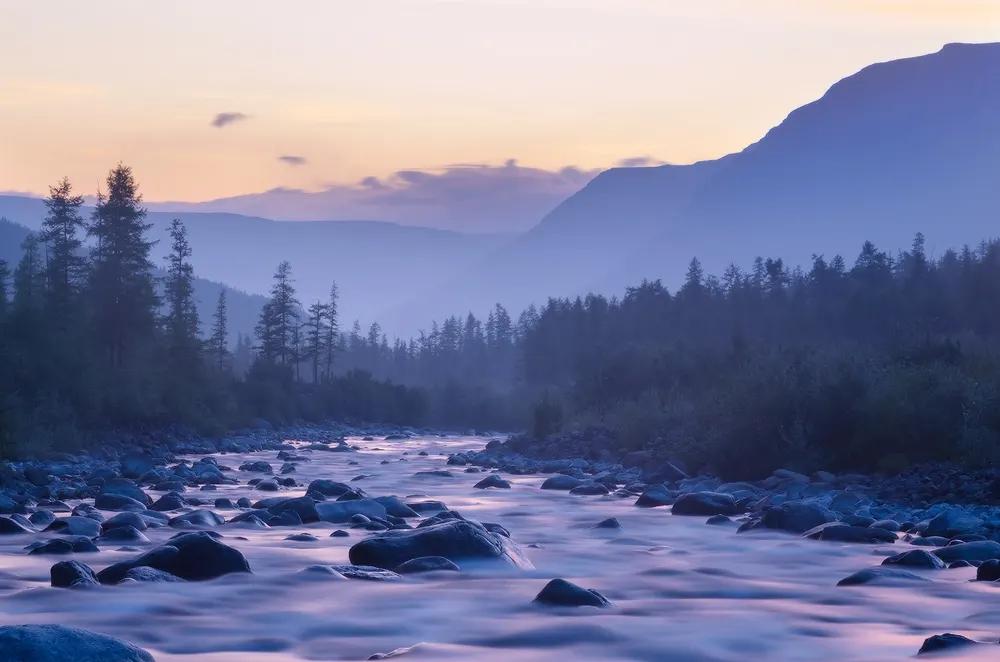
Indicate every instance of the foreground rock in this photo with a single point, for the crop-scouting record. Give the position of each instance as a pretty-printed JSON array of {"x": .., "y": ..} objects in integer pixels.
[
  {"x": 945, "y": 642},
  {"x": 455, "y": 539},
  {"x": 58, "y": 643},
  {"x": 192, "y": 556},
  {"x": 705, "y": 503},
  {"x": 916, "y": 558},
  {"x": 562, "y": 593},
  {"x": 72, "y": 574}
]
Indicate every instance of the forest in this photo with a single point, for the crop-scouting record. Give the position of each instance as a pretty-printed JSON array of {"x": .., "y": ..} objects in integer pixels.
[{"x": 877, "y": 364}]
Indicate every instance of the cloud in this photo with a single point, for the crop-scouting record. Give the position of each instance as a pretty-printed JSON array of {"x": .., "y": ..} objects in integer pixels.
[
  {"x": 292, "y": 159},
  {"x": 225, "y": 119},
  {"x": 640, "y": 162},
  {"x": 471, "y": 197}
]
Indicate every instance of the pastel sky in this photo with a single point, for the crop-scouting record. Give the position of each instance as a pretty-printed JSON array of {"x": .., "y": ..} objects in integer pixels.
[{"x": 215, "y": 99}]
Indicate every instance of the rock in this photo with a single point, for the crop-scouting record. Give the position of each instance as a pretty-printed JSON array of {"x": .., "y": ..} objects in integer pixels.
[
  {"x": 655, "y": 495},
  {"x": 170, "y": 501},
  {"x": 952, "y": 523},
  {"x": 42, "y": 518},
  {"x": 363, "y": 572},
  {"x": 560, "y": 482},
  {"x": 126, "y": 487},
  {"x": 435, "y": 473},
  {"x": 302, "y": 537},
  {"x": 70, "y": 545},
  {"x": 118, "y": 502},
  {"x": 493, "y": 480},
  {"x": 268, "y": 485},
  {"x": 395, "y": 507},
  {"x": 457, "y": 540},
  {"x": 562, "y": 593},
  {"x": 609, "y": 523},
  {"x": 705, "y": 503},
  {"x": 796, "y": 516},
  {"x": 193, "y": 556},
  {"x": 58, "y": 643},
  {"x": 124, "y": 534},
  {"x": 76, "y": 526},
  {"x": 340, "y": 533},
  {"x": 225, "y": 503},
  {"x": 304, "y": 507},
  {"x": 427, "y": 506},
  {"x": 945, "y": 642},
  {"x": 257, "y": 467},
  {"x": 427, "y": 564},
  {"x": 341, "y": 511},
  {"x": 9, "y": 526},
  {"x": 134, "y": 520},
  {"x": 322, "y": 489},
  {"x": 880, "y": 575},
  {"x": 886, "y": 524},
  {"x": 983, "y": 550},
  {"x": 135, "y": 465},
  {"x": 144, "y": 573},
  {"x": 836, "y": 532},
  {"x": 916, "y": 558},
  {"x": 72, "y": 574},
  {"x": 197, "y": 519},
  {"x": 989, "y": 571},
  {"x": 665, "y": 473},
  {"x": 590, "y": 489},
  {"x": 721, "y": 520}
]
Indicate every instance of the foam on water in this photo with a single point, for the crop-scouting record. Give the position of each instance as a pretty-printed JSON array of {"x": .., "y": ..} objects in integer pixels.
[{"x": 681, "y": 590}]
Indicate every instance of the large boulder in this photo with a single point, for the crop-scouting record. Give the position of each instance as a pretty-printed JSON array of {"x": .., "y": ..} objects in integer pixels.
[
  {"x": 493, "y": 480},
  {"x": 837, "y": 532},
  {"x": 796, "y": 516},
  {"x": 342, "y": 511},
  {"x": 916, "y": 558},
  {"x": 945, "y": 642},
  {"x": 68, "y": 545},
  {"x": 135, "y": 465},
  {"x": 655, "y": 495},
  {"x": 396, "y": 507},
  {"x": 705, "y": 503},
  {"x": 72, "y": 574},
  {"x": 193, "y": 556},
  {"x": 59, "y": 643},
  {"x": 125, "y": 487},
  {"x": 561, "y": 593},
  {"x": 981, "y": 550},
  {"x": 560, "y": 482},
  {"x": 197, "y": 519},
  {"x": 989, "y": 571},
  {"x": 76, "y": 526},
  {"x": 953, "y": 522},
  {"x": 456, "y": 540},
  {"x": 304, "y": 507},
  {"x": 324, "y": 489}
]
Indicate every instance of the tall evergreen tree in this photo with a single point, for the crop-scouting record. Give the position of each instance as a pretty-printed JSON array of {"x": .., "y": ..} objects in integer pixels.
[
  {"x": 332, "y": 331},
  {"x": 279, "y": 319},
  {"x": 181, "y": 320},
  {"x": 122, "y": 274},
  {"x": 217, "y": 342},
  {"x": 316, "y": 337},
  {"x": 65, "y": 267},
  {"x": 4, "y": 296},
  {"x": 29, "y": 277}
]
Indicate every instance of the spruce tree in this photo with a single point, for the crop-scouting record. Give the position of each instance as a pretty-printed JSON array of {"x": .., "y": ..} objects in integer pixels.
[
  {"x": 316, "y": 329},
  {"x": 122, "y": 274},
  {"x": 4, "y": 277},
  {"x": 181, "y": 321},
  {"x": 279, "y": 319},
  {"x": 332, "y": 331},
  {"x": 64, "y": 270},
  {"x": 217, "y": 341},
  {"x": 29, "y": 277}
]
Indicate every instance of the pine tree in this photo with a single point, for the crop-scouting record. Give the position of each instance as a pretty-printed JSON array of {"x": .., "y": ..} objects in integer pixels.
[
  {"x": 332, "y": 331},
  {"x": 316, "y": 336},
  {"x": 279, "y": 319},
  {"x": 29, "y": 277},
  {"x": 182, "y": 316},
  {"x": 4, "y": 276},
  {"x": 121, "y": 277},
  {"x": 217, "y": 342},
  {"x": 65, "y": 264}
]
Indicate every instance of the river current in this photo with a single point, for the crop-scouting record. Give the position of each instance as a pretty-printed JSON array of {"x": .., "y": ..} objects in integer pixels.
[{"x": 681, "y": 590}]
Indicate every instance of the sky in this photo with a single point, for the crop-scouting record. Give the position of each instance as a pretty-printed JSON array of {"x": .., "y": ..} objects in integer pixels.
[{"x": 452, "y": 107}]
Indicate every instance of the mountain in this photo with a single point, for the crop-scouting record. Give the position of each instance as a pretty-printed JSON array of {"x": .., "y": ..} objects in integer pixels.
[
  {"x": 376, "y": 265},
  {"x": 243, "y": 309},
  {"x": 899, "y": 147}
]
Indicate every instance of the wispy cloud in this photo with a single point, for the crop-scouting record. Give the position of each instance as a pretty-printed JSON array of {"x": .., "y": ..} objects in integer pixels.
[
  {"x": 225, "y": 119},
  {"x": 639, "y": 162},
  {"x": 292, "y": 159}
]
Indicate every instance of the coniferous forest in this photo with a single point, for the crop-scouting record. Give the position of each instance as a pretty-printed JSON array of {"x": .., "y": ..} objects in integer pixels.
[{"x": 873, "y": 362}]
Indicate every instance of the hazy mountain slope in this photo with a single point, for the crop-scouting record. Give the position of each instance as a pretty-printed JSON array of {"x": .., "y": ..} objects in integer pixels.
[
  {"x": 902, "y": 146},
  {"x": 376, "y": 265},
  {"x": 243, "y": 309}
]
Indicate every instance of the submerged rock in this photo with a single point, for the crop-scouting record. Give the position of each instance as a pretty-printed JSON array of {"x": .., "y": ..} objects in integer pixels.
[
  {"x": 982, "y": 550},
  {"x": 427, "y": 564},
  {"x": 560, "y": 482},
  {"x": 144, "y": 573},
  {"x": 657, "y": 495},
  {"x": 72, "y": 574},
  {"x": 989, "y": 571},
  {"x": 880, "y": 575},
  {"x": 493, "y": 480},
  {"x": 194, "y": 556},
  {"x": 916, "y": 558},
  {"x": 58, "y": 643},
  {"x": 796, "y": 516},
  {"x": 68, "y": 545},
  {"x": 609, "y": 523},
  {"x": 945, "y": 642},
  {"x": 562, "y": 593},
  {"x": 836, "y": 532}
]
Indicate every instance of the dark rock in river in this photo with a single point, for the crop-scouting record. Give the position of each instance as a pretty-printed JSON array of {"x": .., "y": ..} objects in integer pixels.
[
  {"x": 562, "y": 593},
  {"x": 124, "y": 534},
  {"x": 42, "y": 518},
  {"x": 796, "y": 516},
  {"x": 68, "y": 545},
  {"x": 127, "y": 488},
  {"x": 340, "y": 533},
  {"x": 9, "y": 526},
  {"x": 304, "y": 507},
  {"x": 456, "y": 539},
  {"x": 58, "y": 643},
  {"x": 77, "y": 526},
  {"x": 134, "y": 520},
  {"x": 302, "y": 537},
  {"x": 118, "y": 502},
  {"x": 427, "y": 564},
  {"x": 609, "y": 523},
  {"x": 257, "y": 467},
  {"x": 836, "y": 532},
  {"x": 705, "y": 503},
  {"x": 655, "y": 495},
  {"x": 268, "y": 485},
  {"x": 880, "y": 575},
  {"x": 395, "y": 507},
  {"x": 983, "y": 550},
  {"x": 194, "y": 556},
  {"x": 170, "y": 501},
  {"x": 197, "y": 519},
  {"x": 493, "y": 480},
  {"x": 72, "y": 574},
  {"x": 341, "y": 511},
  {"x": 989, "y": 571},
  {"x": 560, "y": 482},
  {"x": 321, "y": 489},
  {"x": 364, "y": 572},
  {"x": 144, "y": 573},
  {"x": 945, "y": 642},
  {"x": 916, "y": 558},
  {"x": 590, "y": 489}
]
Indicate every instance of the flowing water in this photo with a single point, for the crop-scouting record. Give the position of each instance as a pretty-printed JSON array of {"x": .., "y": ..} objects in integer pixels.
[{"x": 681, "y": 590}]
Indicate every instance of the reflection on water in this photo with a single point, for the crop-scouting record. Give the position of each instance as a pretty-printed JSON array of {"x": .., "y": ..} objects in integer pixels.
[{"x": 681, "y": 590}]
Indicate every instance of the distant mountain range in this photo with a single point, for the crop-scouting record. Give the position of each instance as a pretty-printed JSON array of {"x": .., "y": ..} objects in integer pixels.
[{"x": 899, "y": 147}]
